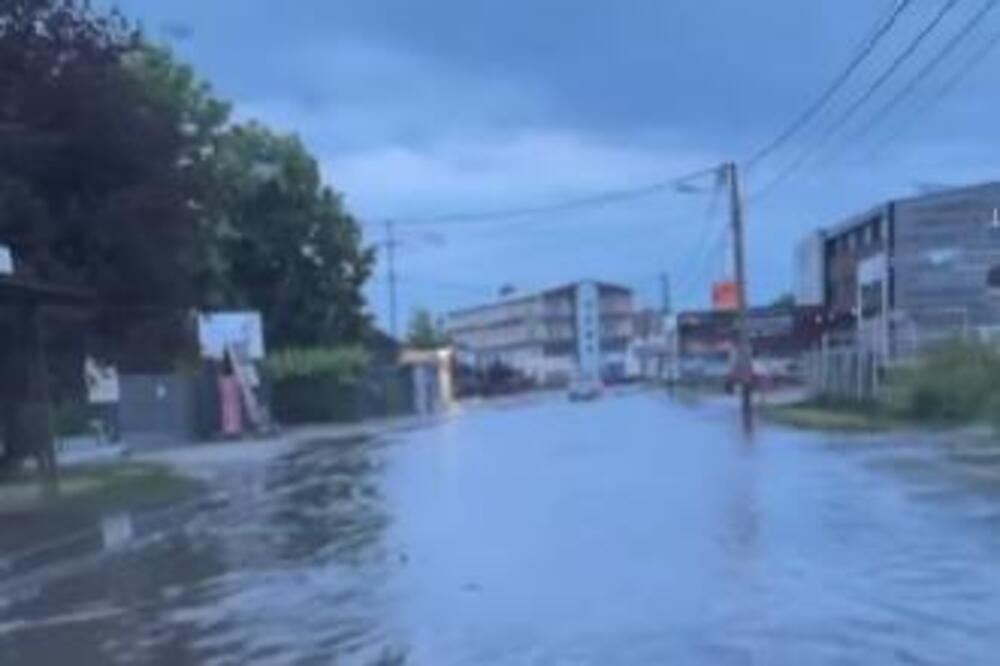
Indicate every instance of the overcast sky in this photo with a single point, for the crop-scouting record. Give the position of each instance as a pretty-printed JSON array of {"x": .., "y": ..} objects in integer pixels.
[{"x": 446, "y": 106}]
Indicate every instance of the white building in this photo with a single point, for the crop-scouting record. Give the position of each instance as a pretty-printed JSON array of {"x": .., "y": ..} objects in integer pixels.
[
  {"x": 652, "y": 354},
  {"x": 549, "y": 336}
]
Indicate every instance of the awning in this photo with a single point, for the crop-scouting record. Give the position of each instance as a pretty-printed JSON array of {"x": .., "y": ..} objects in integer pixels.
[{"x": 20, "y": 291}]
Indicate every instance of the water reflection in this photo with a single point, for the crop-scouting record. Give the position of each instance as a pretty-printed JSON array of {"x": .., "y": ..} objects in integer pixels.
[
  {"x": 289, "y": 567},
  {"x": 627, "y": 531}
]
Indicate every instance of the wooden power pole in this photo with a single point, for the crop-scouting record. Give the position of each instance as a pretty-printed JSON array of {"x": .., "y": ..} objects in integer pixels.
[{"x": 744, "y": 354}]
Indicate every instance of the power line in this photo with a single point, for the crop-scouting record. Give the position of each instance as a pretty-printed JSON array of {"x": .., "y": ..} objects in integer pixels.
[
  {"x": 882, "y": 28},
  {"x": 901, "y": 58},
  {"x": 974, "y": 21},
  {"x": 706, "y": 249},
  {"x": 968, "y": 66},
  {"x": 702, "y": 270},
  {"x": 592, "y": 201}
]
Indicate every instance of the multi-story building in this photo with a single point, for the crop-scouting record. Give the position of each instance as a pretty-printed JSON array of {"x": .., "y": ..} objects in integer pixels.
[
  {"x": 551, "y": 335},
  {"x": 910, "y": 271},
  {"x": 651, "y": 354},
  {"x": 779, "y": 337}
]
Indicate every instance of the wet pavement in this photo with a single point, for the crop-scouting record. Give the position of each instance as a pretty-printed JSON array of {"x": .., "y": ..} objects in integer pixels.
[{"x": 632, "y": 530}]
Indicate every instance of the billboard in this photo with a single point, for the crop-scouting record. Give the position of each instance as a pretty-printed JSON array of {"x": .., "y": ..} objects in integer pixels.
[
  {"x": 725, "y": 295},
  {"x": 218, "y": 330}
]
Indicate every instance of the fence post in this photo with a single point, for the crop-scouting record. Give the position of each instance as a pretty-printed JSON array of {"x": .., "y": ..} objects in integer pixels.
[
  {"x": 859, "y": 377},
  {"x": 824, "y": 348}
]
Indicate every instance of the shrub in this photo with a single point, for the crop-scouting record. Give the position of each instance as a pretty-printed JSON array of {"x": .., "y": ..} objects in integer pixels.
[
  {"x": 316, "y": 385},
  {"x": 341, "y": 363},
  {"x": 953, "y": 382}
]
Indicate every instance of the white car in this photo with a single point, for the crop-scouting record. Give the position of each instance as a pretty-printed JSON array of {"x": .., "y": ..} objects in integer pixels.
[{"x": 585, "y": 388}]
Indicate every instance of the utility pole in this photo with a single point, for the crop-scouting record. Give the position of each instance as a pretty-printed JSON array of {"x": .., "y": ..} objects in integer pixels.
[
  {"x": 666, "y": 301},
  {"x": 390, "y": 252},
  {"x": 744, "y": 355}
]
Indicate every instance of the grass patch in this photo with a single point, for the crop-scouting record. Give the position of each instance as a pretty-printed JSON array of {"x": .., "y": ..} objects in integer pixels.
[
  {"x": 840, "y": 417},
  {"x": 95, "y": 488}
]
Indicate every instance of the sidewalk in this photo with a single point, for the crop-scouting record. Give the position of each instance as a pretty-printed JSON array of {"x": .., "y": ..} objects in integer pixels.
[
  {"x": 46, "y": 537},
  {"x": 205, "y": 460}
]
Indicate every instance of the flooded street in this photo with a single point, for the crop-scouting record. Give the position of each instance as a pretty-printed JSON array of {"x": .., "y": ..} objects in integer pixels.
[{"x": 632, "y": 530}]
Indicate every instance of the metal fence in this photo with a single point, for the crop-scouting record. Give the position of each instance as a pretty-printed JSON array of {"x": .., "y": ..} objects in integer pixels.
[
  {"x": 163, "y": 408},
  {"x": 844, "y": 373}
]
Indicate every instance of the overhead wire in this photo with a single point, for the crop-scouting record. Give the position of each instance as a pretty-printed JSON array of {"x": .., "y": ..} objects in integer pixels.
[
  {"x": 929, "y": 67},
  {"x": 701, "y": 270},
  {"x": 600, "y": 199},
  {"x": 706, "y": 248},
  {"x": 882, "y": 28},
  {"x": 873, "y": 88},
  {"x": 968, "y": 66}
]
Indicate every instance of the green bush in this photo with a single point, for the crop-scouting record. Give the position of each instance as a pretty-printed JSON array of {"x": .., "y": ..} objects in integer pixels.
[
  {"x": 958, "y": 381},
  {"x": 315, "y": 399},
  {"x": 344, "y": 364},
  {"x": 316, "y": 385}
]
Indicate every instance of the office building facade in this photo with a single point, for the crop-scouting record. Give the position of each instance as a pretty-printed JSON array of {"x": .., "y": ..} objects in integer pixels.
[
  {"x": 550, "y": 336},
  {"x": 915, "y": 271}
]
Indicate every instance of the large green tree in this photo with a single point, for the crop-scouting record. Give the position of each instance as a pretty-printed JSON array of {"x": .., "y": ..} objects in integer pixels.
[
  {"x": 94, "y": 187},
  {"x": 121, "y": 172},
  {"x": 282, "y": 242},
  {"x": 270, "y": 235}
]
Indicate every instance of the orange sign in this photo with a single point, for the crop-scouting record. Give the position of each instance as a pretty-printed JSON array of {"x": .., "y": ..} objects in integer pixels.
[{"x": 725, "y": 295}]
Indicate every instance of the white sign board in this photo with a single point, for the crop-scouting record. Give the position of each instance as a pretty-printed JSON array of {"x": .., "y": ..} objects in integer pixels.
[
  {"x": 218, "y": 330},
  {"x": 102, "y": 382},
  {"x": 6, "y": 261}
]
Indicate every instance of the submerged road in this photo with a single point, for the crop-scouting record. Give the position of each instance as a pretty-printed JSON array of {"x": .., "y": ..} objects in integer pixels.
[{"x": 631, "y": 530}]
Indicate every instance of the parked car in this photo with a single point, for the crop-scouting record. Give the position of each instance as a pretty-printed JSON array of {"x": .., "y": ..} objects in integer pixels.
[{"x": 585, "y": 388}]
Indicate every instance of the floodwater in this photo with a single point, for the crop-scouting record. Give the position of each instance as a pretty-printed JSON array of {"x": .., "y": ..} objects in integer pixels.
[{"x": 631, "y": 530}]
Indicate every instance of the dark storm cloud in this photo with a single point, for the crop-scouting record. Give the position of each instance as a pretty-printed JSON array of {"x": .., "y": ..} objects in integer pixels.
[
  {"x": 727, "y": 74},
  {"x": 725, "y": 70},
  {"x": 443, "y": 105}
]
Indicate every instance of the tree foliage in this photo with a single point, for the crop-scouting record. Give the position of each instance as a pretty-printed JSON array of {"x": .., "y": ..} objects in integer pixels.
[
  {"x": 93, "y": 192},
  {"x": 271, "y": 236},
  {"x": 424, "y": 333},
  {"x": 121, "y": 172},
  {"x": 283, "y": 242}
]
